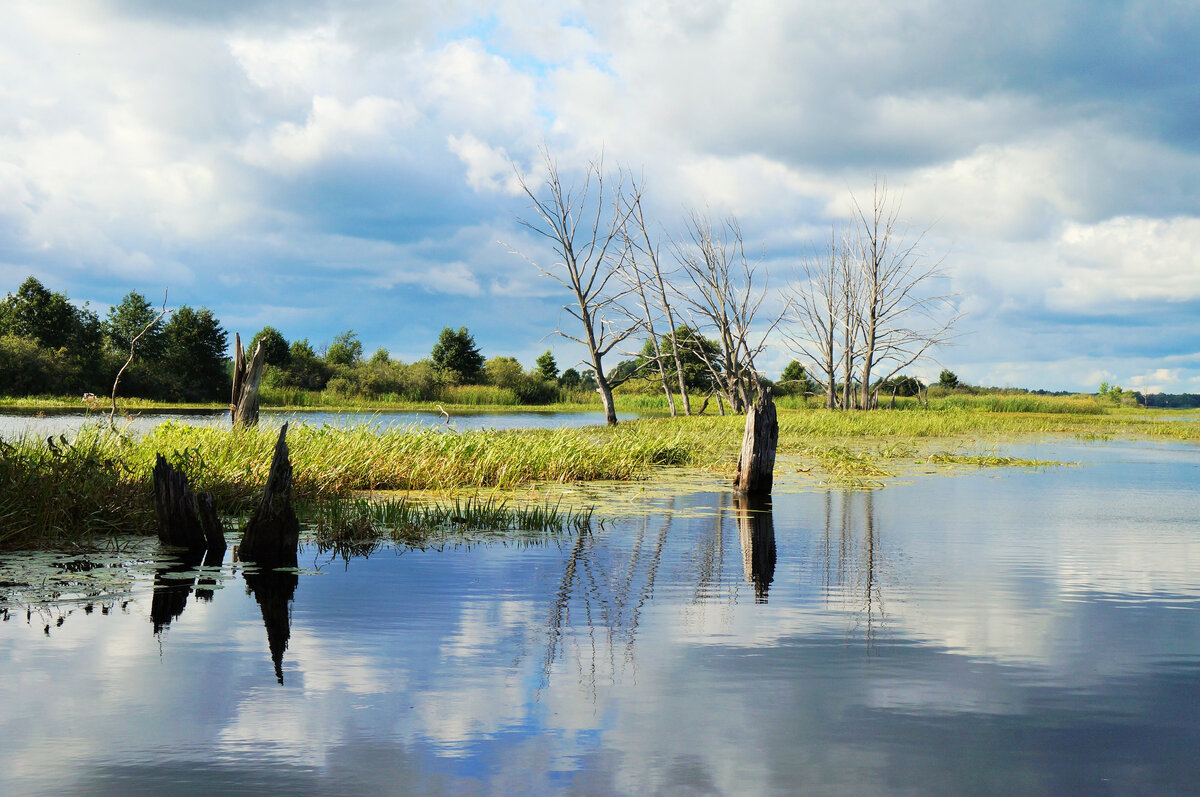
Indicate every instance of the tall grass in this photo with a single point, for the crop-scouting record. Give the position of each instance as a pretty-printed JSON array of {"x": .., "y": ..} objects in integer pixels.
[{"x": 99, "y": 482}]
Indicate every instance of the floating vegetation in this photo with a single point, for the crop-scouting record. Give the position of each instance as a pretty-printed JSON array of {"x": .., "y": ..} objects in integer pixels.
[
  {"x": 988, "y": 460},
  {"x": 353, "y": 526}
]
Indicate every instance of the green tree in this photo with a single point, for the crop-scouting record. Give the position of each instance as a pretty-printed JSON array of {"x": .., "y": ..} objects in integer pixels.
[
  {"x": 948, "y": 379},
  {"x": 456, "y": 356},
  {"x": 547, "y": 366},
  {"x": 570, "y": 379},
  {"x": 305, "y": 370},
  {"x": 126, "y": 320},
  {"x": 381, "y": 357},
  {"x": 504, "y": 372},
  {"x": 194, "y": 355},
  {"x": 50, "y": 319},
  {"x": 346, "y": 349},
  {"x": 275, "y": 347},
  {"x": 794, "y": 380}
]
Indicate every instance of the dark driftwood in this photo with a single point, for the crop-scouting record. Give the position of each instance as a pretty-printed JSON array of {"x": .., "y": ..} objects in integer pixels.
[
  {"x": 756, "y": 528},
  {"x": 272, "y": 537},
  {"x": 756, "y": 463},
  {"x": 247, "y": 376},
  {"x": 185, "y": 520}
]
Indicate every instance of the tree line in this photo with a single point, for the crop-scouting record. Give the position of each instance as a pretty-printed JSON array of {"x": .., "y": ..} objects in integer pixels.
[{"x": 50, "y": 346}]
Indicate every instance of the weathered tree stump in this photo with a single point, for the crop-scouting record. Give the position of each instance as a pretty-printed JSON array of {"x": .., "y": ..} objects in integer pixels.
[
  {"x": 756, "y": 463},
  {"x": 184, "y": 520},
  {"x": 243, "y": 405},
  {"x": 272, "y": 537},
  {"x": 756, "y": 528}
]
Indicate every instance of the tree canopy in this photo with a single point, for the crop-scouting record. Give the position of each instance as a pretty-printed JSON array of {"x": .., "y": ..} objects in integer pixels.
[{"x": 456, "y": 356}]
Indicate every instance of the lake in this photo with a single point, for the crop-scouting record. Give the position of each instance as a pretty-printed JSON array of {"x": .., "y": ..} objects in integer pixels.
[
  {"x": 55, "y": 421},
  {"x": 998, "y": 631}
]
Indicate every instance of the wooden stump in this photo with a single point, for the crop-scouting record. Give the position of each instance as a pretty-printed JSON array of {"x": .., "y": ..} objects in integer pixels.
[
  {"x": 184, "y": 520},
  {"x": 272, "y": 537},
  {"x": 756, "y": 463},
  {"x": 243, "y": 405}
]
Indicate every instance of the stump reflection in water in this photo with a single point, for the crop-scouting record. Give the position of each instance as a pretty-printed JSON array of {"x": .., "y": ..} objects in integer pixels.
[
  {"x": 756, "y": 527},
  {"x": 274, "y": 591},
  {"x": 171, "y": 593}
]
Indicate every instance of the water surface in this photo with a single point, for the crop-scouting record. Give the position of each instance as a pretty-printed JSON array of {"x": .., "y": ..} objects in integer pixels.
[{"x": 994, "y": 632}]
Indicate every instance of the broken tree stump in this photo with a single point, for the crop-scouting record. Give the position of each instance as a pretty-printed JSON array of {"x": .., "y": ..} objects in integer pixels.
[
  {"x": 184, "y": 520},
  {"x": 272, "y": 537},
  {"x": 756, "y": 463},
  {"x": 247, "y": 376}
]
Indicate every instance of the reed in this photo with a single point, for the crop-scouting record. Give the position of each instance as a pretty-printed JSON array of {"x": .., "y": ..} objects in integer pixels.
[{"x": 352, "y": 526}]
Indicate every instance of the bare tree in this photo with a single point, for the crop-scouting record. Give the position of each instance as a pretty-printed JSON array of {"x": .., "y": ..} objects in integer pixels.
[
  {"x": 645, "y": 273},
  {"x": 724, "y": 296},
  {"x": 820, "y": 309},
  {"x": 901, "y": 318},
  {"x": 867, "y": 303},
  {"x": 588, "y": 258}
]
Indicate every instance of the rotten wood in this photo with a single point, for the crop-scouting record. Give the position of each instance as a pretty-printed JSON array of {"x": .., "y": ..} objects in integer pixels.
[
  {"x": 272, "y": 536},
  {"x": 756, "y": 462},
  {"x": 247, "y": 376},
  {"x": 184, "y": 520}
]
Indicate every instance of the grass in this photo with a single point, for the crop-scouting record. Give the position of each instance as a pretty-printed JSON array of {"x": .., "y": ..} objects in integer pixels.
[
  {"x": 354, "y": 526},
  {"x": 98, "y": 483}
]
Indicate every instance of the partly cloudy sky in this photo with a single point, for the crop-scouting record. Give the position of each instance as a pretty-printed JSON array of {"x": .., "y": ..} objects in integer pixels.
[{"x": 319, "y": 166}]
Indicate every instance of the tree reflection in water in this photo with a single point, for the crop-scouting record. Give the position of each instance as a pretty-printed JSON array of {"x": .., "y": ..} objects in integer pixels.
[
  {"x": 756, "y": 529},
  {"x": 853, "y": 564}
]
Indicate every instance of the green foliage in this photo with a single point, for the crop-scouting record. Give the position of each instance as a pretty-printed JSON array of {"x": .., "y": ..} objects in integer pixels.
[
  {"x": 346, "y": 349},
  {"x": 457, "y": 358},
  {"x": 126, "y": 320},
  {"x": 547, "y": 366},
  {"x": 948, "y": 379},
  {"x": 275, "y": 347},
  {"x": 27, "y": 369},
  {"x": 793, "y": 381},
  {"x": 381, "y": 357},
  {"x": 304, "y": 369},
  {"x": 903, "y": 385},
  {"x": 503, "y": 372},
  {"x": 570, "y": 379},
  {"x": 195, "y": 345},
  {"x": 35, "y": 312}
]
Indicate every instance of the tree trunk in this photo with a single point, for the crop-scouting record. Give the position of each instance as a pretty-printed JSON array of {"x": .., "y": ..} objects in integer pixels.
[
  {"x": 756, "y": 463},
  {"x": 243, "y": 406},
  {"x": 272, "y": 536},
  {"x": 184, "y": 520}
]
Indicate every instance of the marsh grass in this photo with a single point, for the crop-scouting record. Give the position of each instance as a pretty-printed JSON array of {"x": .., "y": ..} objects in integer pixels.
[
  {"x": 99, "y": 483},
  {"x": 353, "y": 526}
]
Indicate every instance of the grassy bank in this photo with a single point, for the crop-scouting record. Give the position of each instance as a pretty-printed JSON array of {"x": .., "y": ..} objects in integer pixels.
[{"x": 99, "y": 483}]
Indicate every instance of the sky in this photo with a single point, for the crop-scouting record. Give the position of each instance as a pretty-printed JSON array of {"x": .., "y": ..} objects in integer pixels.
[{"x": 323, "y": 166}]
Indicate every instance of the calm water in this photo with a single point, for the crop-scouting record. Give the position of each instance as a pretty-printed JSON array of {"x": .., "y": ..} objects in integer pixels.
[
  {"x": 53, "y": 421},
  {"x": 997, "y": 632}
]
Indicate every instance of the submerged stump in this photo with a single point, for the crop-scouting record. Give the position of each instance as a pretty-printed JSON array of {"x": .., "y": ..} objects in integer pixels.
[
  {"x": 272, "y": 537},
  {"x": 756, "y": 462},
  {"x": 184, "y": 520}
]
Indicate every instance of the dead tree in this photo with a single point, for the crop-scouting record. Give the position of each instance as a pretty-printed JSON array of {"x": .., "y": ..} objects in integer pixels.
[
  {"x": 243, "y": 406},
  {"x": 724, "y": 296},
  {"x": 647, "y": 254},
  {"x": 272, "y": 536},
  {"x": 184, "y": 520},
  {"x": 901, "y": 318},
  {"x": 587, "y": 261},
  {"x": 756, "y": 462}
]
